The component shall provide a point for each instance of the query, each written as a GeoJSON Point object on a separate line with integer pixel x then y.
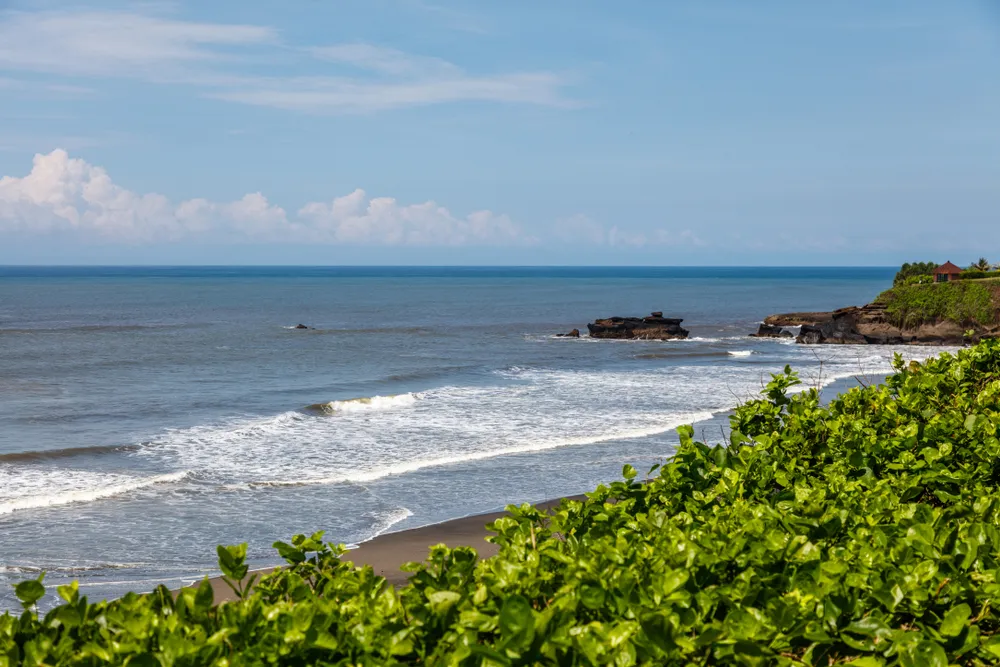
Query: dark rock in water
{"type": "Point", "coordinates": [654, 327]}
{"type": "Point", "coordinates": [796, 319]}
{"type": "Point", "coordinates": [301, 326]}
{"type": "Point", "coordinates": [656, 313]}
{"type": "Point", "coordinates": [575, 333]}
{"type": "Point", "coordinates": [842, 327]}
{"type": "Point", "coordinates": [769, 331]}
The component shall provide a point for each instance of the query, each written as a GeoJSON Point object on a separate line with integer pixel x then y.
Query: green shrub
{"type": "Point", "coordinates": [965, 303]}
{"type": "Point", "coordinates": [910, 270]}
{"type": "Point", "coordinates": [865, 531]}
{"type": "Point", "coordinates": [975, 274]}
{"type": "Point", "coordinates": [924, 279]}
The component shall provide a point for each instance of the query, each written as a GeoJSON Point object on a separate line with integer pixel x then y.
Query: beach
{"type": "Point", "coordinates": [386, 553]}
{"type": "Point", "coordinates": [150, 414]}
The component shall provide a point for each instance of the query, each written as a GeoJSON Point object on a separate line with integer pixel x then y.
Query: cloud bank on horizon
{"type": "Point", "coordinates": [67, 196]}
{"type": "Point", "coordinates": [562, 132]}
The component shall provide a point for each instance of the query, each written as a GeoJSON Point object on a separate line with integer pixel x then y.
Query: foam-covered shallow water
{"type": "Point", "coordinates": [147, 415]}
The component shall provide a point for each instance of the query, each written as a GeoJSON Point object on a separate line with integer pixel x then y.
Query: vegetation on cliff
{"type": "Point", "coordinates": [916, 273]}
{"type": "Point", "coordinates": [865, 531]}
{"type": "Point", "coordinates": [914, 270]}
{"type": "Point", "coordinates": [965, 302]}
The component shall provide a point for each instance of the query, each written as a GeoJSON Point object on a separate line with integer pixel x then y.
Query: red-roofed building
{"type": "Point", "coordinates": [946, 273]}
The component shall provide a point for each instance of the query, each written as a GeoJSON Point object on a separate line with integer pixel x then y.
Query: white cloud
{"type": "Point", "coordinates": [333, 95]}
{"type": "Point", "coordinates": [355, 218]}
{"type": "Point", "coordinates": [64, 195]}
{"type": "Point", "coordinates": [115, 43]}
{"type": "Point", "coordinates": [217, 59]}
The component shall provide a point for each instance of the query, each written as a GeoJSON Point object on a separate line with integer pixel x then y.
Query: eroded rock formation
{"type": "Point", "coordinates": [653, 327]}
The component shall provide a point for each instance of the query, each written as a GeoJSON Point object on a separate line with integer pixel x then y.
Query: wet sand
{"type": "Point", "coordinates": [386, 553]}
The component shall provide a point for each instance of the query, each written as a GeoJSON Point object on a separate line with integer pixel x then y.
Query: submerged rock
{"type": "Point", "coordinates": [575, 333]}
{"type": "Point", "coordinates": [300, 326]}
{"type": "Point", "coordinates": [653, 327]}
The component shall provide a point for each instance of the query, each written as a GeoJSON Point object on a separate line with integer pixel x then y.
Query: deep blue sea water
{"type": "Point", "coordinates": [148, 414]}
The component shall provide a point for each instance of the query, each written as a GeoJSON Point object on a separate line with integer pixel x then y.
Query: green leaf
{"type": "Point", "coordinates": [515, 616]}
{"type": "Point", "coordinates": [442, 601]}
{"type": "Point", "coordinates": [592, 596]}
{"type": "Point", "coordinates": [204, 597]}
{"type": "Point", "coordinates": [29, 592]}
{"type": "Point", "coordinates": [231, 560]}
{"type": "Point", "coordinates": [924, 654]}
{"type": "Point", "coordinates": [69, 592]}
{"type": "Point", "coordinates": [955, 620]}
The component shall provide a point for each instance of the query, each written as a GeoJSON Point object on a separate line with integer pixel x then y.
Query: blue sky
{"type": "Point", "coordinates": [561, 132]}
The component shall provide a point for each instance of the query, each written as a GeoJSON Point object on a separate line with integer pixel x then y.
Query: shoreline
{"type": "Point", "coordinates": [387, 552]}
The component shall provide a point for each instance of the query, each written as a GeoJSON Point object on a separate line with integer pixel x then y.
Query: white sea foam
{"type": "Point", "coordinates": [521, 411]}
{"type": "Point", "coordinates": [524, 410]}
{"type": "Point", "coordinates": [383, 521]}
{"type": "Point", "coordinates": [22, 490]}
{"type": "Point", "coordinates": [441, 461]}
{"type": "Point", "coordinates": [367, 404]}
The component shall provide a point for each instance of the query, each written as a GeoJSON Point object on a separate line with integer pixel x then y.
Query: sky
{"type": "Point", "coordinates": [508, 133]}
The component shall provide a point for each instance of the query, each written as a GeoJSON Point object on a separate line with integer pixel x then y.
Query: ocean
{"type": "Point", "coordinates": [149, 414]}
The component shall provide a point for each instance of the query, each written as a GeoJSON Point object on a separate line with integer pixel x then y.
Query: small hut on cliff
{"type": "Point", "coordinates": [946, 273]}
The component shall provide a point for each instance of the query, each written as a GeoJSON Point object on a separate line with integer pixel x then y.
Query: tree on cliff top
{"type": "Point", "coordinates": [915, 269]}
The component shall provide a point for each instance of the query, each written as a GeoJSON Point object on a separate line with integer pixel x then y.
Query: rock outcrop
{"type": "Point", "coordinates": [653, 327]}
{"type": "Point", "coordinates": [868, 325]}
{"type": "Point", "coordinates": [768, 331]}
{"type": "Point", "coordinates": [575, 333]}
{"type": "Point", "coordinates": [796, 319]}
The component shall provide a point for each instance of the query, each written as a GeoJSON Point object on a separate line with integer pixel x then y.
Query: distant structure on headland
{"type": "Point", "coordinates": [946, 273]}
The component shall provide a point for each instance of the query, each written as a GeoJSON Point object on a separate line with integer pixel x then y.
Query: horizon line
{"type": "Point", "coordinates": [449, 266]}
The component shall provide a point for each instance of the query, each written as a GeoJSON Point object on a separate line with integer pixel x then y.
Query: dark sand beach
{"type": "Point", "coordinates": [386, 553]}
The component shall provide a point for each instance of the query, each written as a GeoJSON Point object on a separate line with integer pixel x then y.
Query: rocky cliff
{"type": "Point", "coordinates": [930, 314]}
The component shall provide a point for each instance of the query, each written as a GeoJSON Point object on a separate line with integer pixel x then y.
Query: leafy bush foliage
{"type": "Point", "coordinates": [910, 270]}
{"type": "Point", "coordinates": [922, 279]}
{"type": "Point", "coordinates": [977, 274]}
{"type": "Point", "coordinates": [965, 303]}
{"type": "Point", "coordinates": [866, 532]}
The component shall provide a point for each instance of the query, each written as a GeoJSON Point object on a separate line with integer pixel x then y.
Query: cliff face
{"type": "Point", "coordinates": [934, 314]}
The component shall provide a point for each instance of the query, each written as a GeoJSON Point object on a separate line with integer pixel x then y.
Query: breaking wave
{"type": "Point", "coordinates": [364, 404]}
{"type": "Point", "coordinates": [83, 495]}
{"type": "Point", "coordinates": [362, 476]}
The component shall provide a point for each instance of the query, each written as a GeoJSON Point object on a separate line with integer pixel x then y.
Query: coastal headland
{"type": "Point", "coordinates": [947, 313]}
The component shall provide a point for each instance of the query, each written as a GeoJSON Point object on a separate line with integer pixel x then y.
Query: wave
{"type": "Point", "coordinates": [740, 353]}
{"type": "Point", "coordinates": [44, 455]}
{"type": "Point", "coordinates": [438, 462]}
{"type": "Point", "coordinates": [86, 495]}
{"type": "Point", "coordinates": [364, 404]}
{"type": "Point", "coordinates": [382, 522]}
{"type": "Point", "coordinates": [34, 569]}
